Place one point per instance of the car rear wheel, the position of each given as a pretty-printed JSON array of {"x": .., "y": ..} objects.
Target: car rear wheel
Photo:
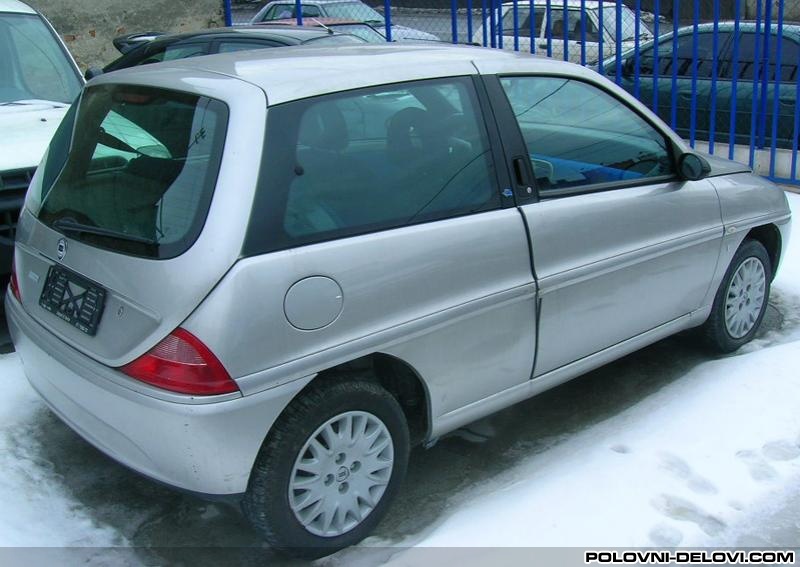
[
  {"x": 741, "y": 301},
  {"x": 329, "y": 468}
]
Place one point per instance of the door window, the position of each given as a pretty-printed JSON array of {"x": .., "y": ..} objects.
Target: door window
[
  {"x": 377, "y": 158},
  {"x": 581, "y": 138},
  {"x": 573, "y": 25},
  {"x": 705, "y": 56},
  {"x": 174, "y": 52},
  {"x": 524, "y": 19}
]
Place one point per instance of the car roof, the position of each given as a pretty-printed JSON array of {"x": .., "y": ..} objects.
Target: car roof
[
  {"x": 312, "y": 21},
  {"x": 293, "y": 73},
  {"x": 15, "y": 7}
]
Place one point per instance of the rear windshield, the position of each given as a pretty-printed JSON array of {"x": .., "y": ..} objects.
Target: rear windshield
[{"x": 140, "y": 170}]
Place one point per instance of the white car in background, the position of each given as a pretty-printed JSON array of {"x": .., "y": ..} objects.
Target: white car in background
[
  {"x": 354, "y": 10},
  {"x": 38, "y": 81},
  {"x": 582, "y": 29}
]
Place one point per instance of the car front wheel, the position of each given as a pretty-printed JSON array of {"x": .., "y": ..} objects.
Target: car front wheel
[
  {"x": 329, "y": 467},
  {"x": 741, "y": 301}
]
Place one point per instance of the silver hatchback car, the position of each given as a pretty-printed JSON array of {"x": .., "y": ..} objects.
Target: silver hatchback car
[{"x": 266, "y": 276}]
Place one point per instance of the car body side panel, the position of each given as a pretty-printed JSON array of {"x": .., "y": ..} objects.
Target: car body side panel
[{"x": 453, "y": 297}]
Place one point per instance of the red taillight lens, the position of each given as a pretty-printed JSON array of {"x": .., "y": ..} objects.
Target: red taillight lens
[
  {"x": 13, "y": 284},
  {"x": 181, "y": 363}
]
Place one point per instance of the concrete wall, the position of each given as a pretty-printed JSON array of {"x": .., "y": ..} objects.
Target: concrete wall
[{"x": 88, "y": 26}]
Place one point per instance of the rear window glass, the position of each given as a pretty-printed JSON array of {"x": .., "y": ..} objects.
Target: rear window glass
[{"x": 139, "y": 177}]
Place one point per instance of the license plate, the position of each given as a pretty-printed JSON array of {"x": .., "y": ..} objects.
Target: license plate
[{"x": 74, "y": 299}]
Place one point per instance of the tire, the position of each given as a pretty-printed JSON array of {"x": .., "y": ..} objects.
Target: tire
[
  {"x": 722, "y": 335},
  {"x": 318, "y": 413}
]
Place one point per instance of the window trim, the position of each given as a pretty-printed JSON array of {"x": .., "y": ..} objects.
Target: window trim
[
  {"x": 265, "y": 226},
  {"x": 546, "y": 195}
]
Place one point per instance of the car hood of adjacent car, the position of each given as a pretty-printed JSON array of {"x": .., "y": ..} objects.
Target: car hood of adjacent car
[{"x": 27, "y": 128}]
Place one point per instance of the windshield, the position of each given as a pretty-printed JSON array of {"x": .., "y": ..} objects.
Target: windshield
[
  {"x": 628, "y": 24},
  {"x": 33, "y": 65},
  {"x": 140, "y": 176},
  {"x": 353, "y": 11}
]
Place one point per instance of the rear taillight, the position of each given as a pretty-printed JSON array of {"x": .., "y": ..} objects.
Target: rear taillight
[
  {"x": 13, "y": 284},
  {"x": 181, "y": 363}
]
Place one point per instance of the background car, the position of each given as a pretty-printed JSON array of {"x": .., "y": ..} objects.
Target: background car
[
  {"x": 731, "y": 65},
  {"x": 353, "y": 27},
  {"x": 341, "y": 9},
  {"x": 582, "y": 29},
  {"x": 38, "y": 81},
  {"x": 223, "y": 40}
]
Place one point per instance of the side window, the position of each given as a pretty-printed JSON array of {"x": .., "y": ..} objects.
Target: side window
[
  {"x": 790, "y": 54},
  {"x": 578, "y": 136},
  {"x": 705, "y": 56},
  {"x": 286, "y": 11},
  {"x": 747, "y": 55},
  {"x": 524, "y": 18},
  {"x": 573, "y": 25},
  {"x": 378, "y": 158}
]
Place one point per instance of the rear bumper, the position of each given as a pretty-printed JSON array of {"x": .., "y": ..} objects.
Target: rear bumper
[{"x": 197, "y": 444}]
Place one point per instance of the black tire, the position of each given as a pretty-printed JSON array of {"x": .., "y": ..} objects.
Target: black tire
[
  {"x": 266, "y": 503},
  {"x": 714, "y": 331}
]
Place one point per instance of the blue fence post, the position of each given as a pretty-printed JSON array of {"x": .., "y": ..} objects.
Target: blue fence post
[
  {"x": 500, "y": 24},
  {"x": 534, "y": 34},
  {"x": 228, "y": 13},
  {"x": 695, "y": 50},
  {"x": 601, "y": 36},
  {"x": 387, "y": 18},
  {"x": 756, "y": 83},
  {"x": 583, "y": 35},
  {"x": 492, "y": 25},
  {"x": 469, "y": 21},
  {"x": 735, "y": 79},
  {"x": 778, "y": 79},
  {"x": 712, "y": 125},
  {"x": 637, "y": 29},
  {"x": 676, "y": 11},
  {"x": 618, "y": 40},
  {"x": 762, "y": 123},
  {"x": 656, "y": 62},
  {"x": 485, "y": 29},
  {"x": 516, "y": 25},
  {"x": 298, "y": 11},
  {"x": 548, "y": 28},
  {"x": 796, "y": 126},
  {"x": 565, "y": 30},
  {"x": 454, "y": 20}
]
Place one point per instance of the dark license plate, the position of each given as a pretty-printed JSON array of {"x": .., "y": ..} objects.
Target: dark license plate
[{"x": 73, "y": 298}]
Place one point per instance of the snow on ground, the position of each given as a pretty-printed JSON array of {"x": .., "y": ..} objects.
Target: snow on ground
[
  {"x": 34, "y": 508},
  {"x": 705, "y": 461},
  {"x": 710, "y": 458}
]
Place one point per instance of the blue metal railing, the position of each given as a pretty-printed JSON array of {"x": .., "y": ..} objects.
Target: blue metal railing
[{"x": 718, "y": 71}]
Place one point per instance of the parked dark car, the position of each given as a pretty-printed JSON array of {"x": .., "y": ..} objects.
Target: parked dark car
[
  {"x": 735, "y": 61},
  {"x": 221, "y": 40}
]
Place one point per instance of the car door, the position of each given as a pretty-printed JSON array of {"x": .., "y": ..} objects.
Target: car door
[{"x": 620, "y": 245}]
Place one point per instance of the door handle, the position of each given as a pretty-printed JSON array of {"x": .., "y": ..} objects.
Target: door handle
[
  {"x": 521, "y": 174},
  {"x": 788, "y": 102}
]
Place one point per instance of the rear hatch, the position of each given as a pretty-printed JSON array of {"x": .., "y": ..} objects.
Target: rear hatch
[{"x": 125, "y": 230}]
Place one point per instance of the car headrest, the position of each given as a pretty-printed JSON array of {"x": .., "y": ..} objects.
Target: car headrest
[{"x": 323, "y": 127}]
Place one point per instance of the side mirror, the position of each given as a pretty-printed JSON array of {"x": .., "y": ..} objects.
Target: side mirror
[
  {"x": 92, "y": 72},
  {"x": 693, "y": 167},
  {"x": 628, "y": 67}
]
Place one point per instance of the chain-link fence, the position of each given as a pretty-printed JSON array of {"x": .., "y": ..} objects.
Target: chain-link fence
[{"x": 722, "y": 73}]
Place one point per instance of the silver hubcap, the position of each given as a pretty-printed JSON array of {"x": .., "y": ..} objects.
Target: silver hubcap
[
  {"x": 341, "y": 473},
  {"x": 745, "y": 298}
]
